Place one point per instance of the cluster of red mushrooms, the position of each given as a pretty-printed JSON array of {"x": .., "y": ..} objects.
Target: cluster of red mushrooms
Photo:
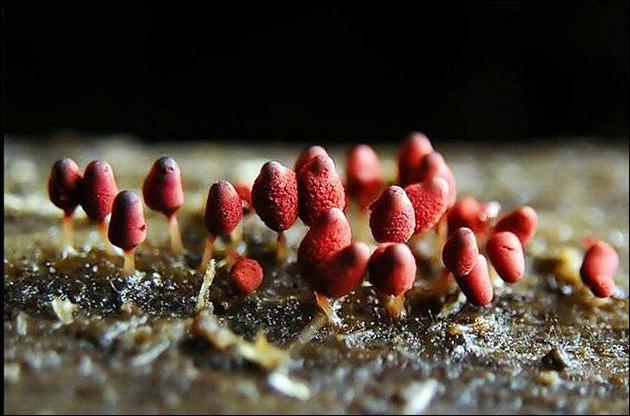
[{"x": 424, "y": 199}]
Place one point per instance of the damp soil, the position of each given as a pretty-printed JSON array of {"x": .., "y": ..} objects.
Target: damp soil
[{"x": 130, "y": 346}]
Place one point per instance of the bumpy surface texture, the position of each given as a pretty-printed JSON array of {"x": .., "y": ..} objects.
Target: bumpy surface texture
[
  {"x": 429, "y": 201},
  {"x": 224, "y": 209},
  {"x": 275, "y": 196},
  {"x": 319, "y": 189},
  {"x": 392, "y": 218},
  {"x": 246, "y": 275},
  {"x": 539, "y": 347},
  {"x": 329, "y": 234}
]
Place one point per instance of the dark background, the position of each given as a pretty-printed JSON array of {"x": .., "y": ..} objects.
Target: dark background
[{"x": 485, "y": 71}]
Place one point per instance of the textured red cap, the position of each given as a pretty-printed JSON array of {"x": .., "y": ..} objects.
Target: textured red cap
[
  {"x": 223, "y": 209},
  {"x": 506, "y": 255},
  {"x": 411, "y": 152},
  {"x": 307, "y": 155},
  {"x": 275, "y": 196},
  {"x": 429, "y": 202},
  {"x": 162, "y": 188},
  {"x": 392, "y": 269},
  {"x": 98, "y": 190},
  {"x": 246, "y": 275},
  {"x": 433, "y": 165},
  {"x": 477, "y": 285},
  {"x": 363, "y": 174},
  {"x": 599, "y": 267},
  {"x": 319, "y": 189},
  {"x": 64, "y": 185},
  {"x": 127, "y": 228},
  {"x": 468, "y": 212},
  {"x": 328, "y": 235},
  {"x": 392, "y": 218},
  {"x": 244, "y": 191},
  {"x": 522, "y": 222},
  {"x": 460, "y": 251},
  {"x": 340, "y": 273}
]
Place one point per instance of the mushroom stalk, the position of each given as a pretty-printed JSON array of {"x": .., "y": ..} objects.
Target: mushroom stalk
[
  {"x": 129, "y": 265},
  {"x": 281, "y": 247},
  {"x": 176, "y": 237},
  {"x": 67, "y": 237},
  {"x": 207, "y": 253}
]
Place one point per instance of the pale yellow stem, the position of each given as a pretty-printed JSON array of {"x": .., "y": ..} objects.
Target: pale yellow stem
[
  {"x": 129, "y": 265},
  {"x": 442, "y": 284},
  {"x": 363, "y": 220},
  {"x": 207, "y": 253},
  {"x": 231, "y": 257},
  {"x": 67, "y": 237},
  {"x": 395, "y": 306},
  {"x": 236, "y": 236},
  {"x": 324, "y": 304},
  {"x": 413, "y": 244},
  {"x": 177, "y": 247},
  {"x": 109, "y": 248},
  {"x": 281, "y": 248}
]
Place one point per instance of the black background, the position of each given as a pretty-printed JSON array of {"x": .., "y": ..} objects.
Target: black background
[{"x": 484, "y": 71}]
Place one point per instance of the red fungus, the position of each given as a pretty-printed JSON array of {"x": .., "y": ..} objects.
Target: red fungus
[
  {"x": 506, "y": 255},
  {"x": 244, "y": 191},
  {"x": 127, "y": 228},
  {"x": 246, "y": 275},
  {"x": 223, "y": 209},
  {"x": 64, "y": 190},
  {"x": 468, "y": 212},
  {"x": 320, "y": 262},
  {"x": 392, "y": 217},
  {"x": 363, "y": 175},
  {"x": 98, "y": 190},
  {"x": 392, "y": 269},
  {"x": 433, "y": 165},
  {"x": 319, "y": 189},
  {"x": 64, "y": 185},
  {"x": 599, "y": 267},
  {"x": 163, "y": 192},
  {"x": 411, "y": 152},
  {"x": 522, "y": 222},
  {"x": 429, "y": 202},
  {"x": 275, "y": 196},
  {"x": 476, "y": 285},
  {"x": 460, "y": 252},
  {"x": 328, "y": 235},
  {"x": 275, "y": 199},
  {"x": 341, "y": 273},
  {"x": 307, "y": 155},
  {"x": 162, "y": 188},
  {"x": 223, "y": 213}
]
